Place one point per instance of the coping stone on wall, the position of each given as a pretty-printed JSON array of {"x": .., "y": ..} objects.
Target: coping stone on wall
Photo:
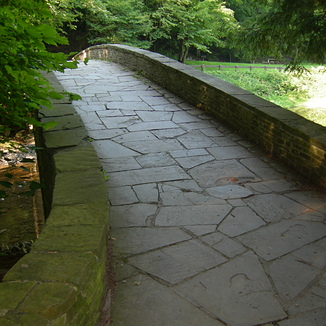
[{"x": 62, "y": 281}]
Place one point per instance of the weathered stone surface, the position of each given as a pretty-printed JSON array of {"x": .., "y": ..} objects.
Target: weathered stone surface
[
  {"x": 110, "y": 149},
  {"x": 136, "y": 240},
  {"x": 64, "y": 138},
  {"x": 79, "y": 214},
  {"x": 50, "y": 300},
  {"x": 147, "y": 193},
  {"x": 229, "y": 192},
  {"x": 89, "y": 238},
  {"x": 238, "y": 292},
  {"x": 176, "y": 263},
  {"x": 276, "y": 240},
  {"x": 191, "y": 215},
  {"x": 78, "y": 188},
  {"x": 131, "y": 215},
  {"x": 122, "y": 196},
  {"x": 291, "y": 276},
  {"x": 273, "y": 207},
  {"x": 229, "y": 152},
  {"x": 13, "y": 293},
  {"x": 78, "y": 158},
  {"x": 75, "y": 268},
  {"x": 217, "y": 173},
  {"x": 147, "y": 175},
  {"x": 224, "y": 244},
  {"x": 239, "y": 221},
  {"x": 315, "y": 318},
  {"x": 147, "y": 302}
]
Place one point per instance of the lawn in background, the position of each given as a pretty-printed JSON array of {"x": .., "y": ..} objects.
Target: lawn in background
[{"x": 303, "y": 94}]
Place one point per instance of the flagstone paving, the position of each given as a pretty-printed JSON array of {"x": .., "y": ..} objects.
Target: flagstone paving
[{"x": 207, "y": 229}]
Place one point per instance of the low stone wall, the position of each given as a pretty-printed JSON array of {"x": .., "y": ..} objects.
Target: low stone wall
[
  {"x": 283, "y": 134},
  {"x": 63, "y": 279}
]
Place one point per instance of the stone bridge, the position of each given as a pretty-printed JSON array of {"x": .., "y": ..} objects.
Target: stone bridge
[{"x": 213, "y": 221}]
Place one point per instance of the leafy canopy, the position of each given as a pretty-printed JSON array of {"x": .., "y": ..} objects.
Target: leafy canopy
[{"x": 25, "y": 33}]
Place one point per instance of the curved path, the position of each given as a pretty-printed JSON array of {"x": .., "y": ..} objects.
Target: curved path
[{"x": 206, "y": 229}]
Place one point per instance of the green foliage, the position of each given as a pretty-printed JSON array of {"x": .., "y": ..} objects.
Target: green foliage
[
  {"x": 278, "y": 87},
  {"x": 292, "y": 28},
  {"x": 24, "y": 37},
  {"x": 197, "y": 24}
]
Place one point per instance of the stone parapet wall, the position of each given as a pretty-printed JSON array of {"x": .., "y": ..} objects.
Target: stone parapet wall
[
  {"x": 299, "y": 143},
  {"x": 62, "y": 281}
]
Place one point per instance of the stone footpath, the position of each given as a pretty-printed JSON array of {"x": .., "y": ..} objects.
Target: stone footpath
[{"x": 207, "y": 230}]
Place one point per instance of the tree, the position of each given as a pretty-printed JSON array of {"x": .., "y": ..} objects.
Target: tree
[
  {"x": 293, "y": 28},
  {"x": 186, "y": 23},
  {"x": 24, "y": 35}
]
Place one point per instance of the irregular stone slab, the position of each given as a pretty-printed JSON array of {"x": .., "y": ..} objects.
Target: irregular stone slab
[
  {"x": 276, "y": 240},
  {"x": 261, "y": 168},
  {"x": 173, "y": 196},
  {"x": 122, "y": 196},
  {"x": 314, "y": 318},
  {"x": 311, "y": 300},
  {"x": 168, "y": 133},
  {"x": 119, "y": 122},
  {"x": 131, "y": 215},
  {"x": 229, "y": 152},
  {"x": 105, "y": 134},
  {"x": 190, "y": 162},
  {"x": 147, "y": 302},
  {"x": 149, "y": 175},
  {"x": 155, "y": 160},
  {"x": 224, "y": 244},
  {"x": 147, "y": 193},
  {"x": 201, "y": 229},
  {"x": 219, "y": 172},
  {"x": 189, "y": 153},
  {"x": 185, "y": 185},
  {"x": 110, "y": 149},
  {"x": 291, "y": 276},
  {"x": 154, "y": 146},
  {"x": 155, "y": 100},
  {"x": 229, "y": 192},
  {"x": 239, "y": 221},
  {"x": 154, "y": 125},
  {"x": 237, "y": 292},
  {"x": 135, "y": 136},
  {"x": 131, "y": 105},
  {"x": 313, "y": 254},
  {"x": 126, "y": 163},
  {"x": 195, "y": 139},
  {"x": 192, "y": 215},
  {"x": 137, "y": 240},
  {"x": 154, "y": 115},
  {"x": 273, "y": 207},
  {"x": 182, "y": 117},
  {"x": 176, "y": 263},
  {"x": 312, "y": 199}
]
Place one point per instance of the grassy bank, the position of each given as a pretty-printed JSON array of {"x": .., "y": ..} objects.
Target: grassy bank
[{"x": 296, "y": 93}]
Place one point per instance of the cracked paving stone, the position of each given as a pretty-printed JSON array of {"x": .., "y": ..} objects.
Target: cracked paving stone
[
  {"x": 192, "y": 215},
  {"x": 138, "y": 240},
  {"x": 109, "y": 149},
  {"x": 131, "y": 215},
  {"x": 146, "y": 302},
  {"x": 155, "y": 160},
  {"x": 229, "y": 192},
  {"x": 275, "y": 240},
  {"x": 273, "y": 207},
  {"x": 176, "y": 263},
  {"x": 216, "y": 173},
  {"x": 238, "y": 292},
  {"x": 291, "y": 276},
  {"x": 224, "y": 244},
  {"x": 313, "y": 318},
  {"x": 122, "y": 196},
  {"x": 147, "y": 193},
  {"x": 239, "y": 221}
]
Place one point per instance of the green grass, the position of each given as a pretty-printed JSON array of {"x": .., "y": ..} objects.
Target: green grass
[{"x": 284, "y": 89}]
